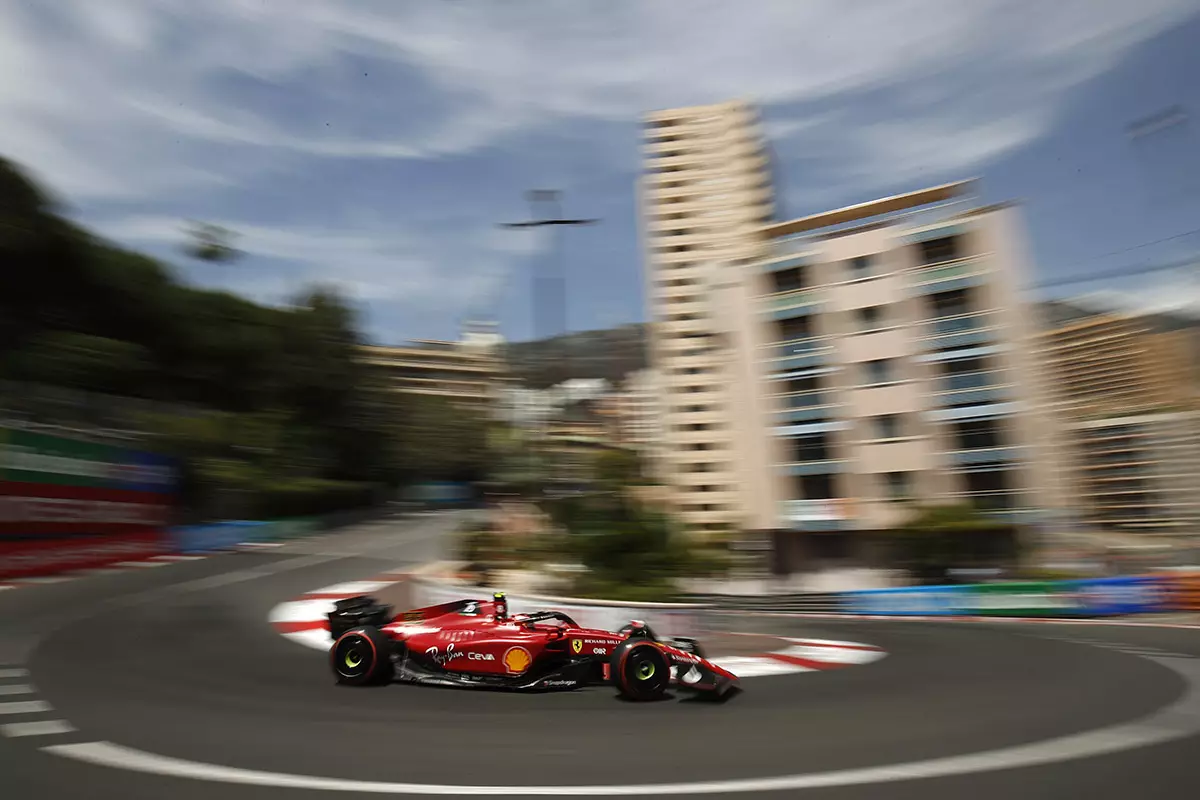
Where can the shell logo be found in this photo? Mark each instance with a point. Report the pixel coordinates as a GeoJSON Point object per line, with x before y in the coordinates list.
{"type": "Point", "coordinates": [517, 660]}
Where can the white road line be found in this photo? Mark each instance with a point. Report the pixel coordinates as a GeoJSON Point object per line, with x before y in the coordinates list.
{"type": "Point", "coordinates": [13, 673]}
{"type": "Point", "coordinates": [16, 688]}
{"type": "Point", "coordinates": [301, 611]}
{"type": "Point", "coordinates": [1177, 721]}
{"type": "Point", "coordinates": [47, 579]}
{"type": "Point", "coordinates": [25, 707]}
{"type": "Point", "coordinates": [174, 558]}
{"type": "Point", "coordinates": [4, 586]}
{"type": "Point", "coordinates": [48, 727]}
{"type": "Point", "coordinates": [316, 639]}
{"type": "Point", "coordinates": [142, 564]}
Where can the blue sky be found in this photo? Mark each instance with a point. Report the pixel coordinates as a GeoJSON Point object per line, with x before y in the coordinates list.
{"type": "Point", "coordinates": [375, 145]}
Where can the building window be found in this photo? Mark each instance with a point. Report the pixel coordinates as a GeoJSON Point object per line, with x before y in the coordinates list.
{"type": "Point", "coordinates": [980, 434]}
{"type": "Point", "coordinates": [870, 318]}
{"type": "Point", "coordinates": [860, 267]}
{"type": "Point", "coordinates": [816, 487]}
{"type": "Point", "coordinates": [887, 426]}
{"type": "Point", "coordinates": [936, 251]}
{"type": "Point", "coordinates": [787, 280]}
{"type": "Point", "coordinates": [897, 485]}
{"type": "Point", "coordinates": [813, 447]}
{"type": "Point", "coordinates": [878, 371]}
{"type": "Point", "coordinates": [794, 328]}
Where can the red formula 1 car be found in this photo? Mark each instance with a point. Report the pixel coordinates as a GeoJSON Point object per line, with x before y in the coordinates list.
{"type": "Point", "coordinates": [477, 644]}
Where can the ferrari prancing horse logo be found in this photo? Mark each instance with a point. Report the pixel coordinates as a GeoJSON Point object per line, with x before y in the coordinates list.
{"type": "Point", "coordinates": [577, 646]}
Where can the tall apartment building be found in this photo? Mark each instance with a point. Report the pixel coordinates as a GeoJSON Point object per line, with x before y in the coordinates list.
{"type": "Point", "coordinates": [704, 197]}
{"type": "Point", "coordinates": [1125, 396]}
{"type": "Point", "coordinates": [819, 373]}
{"type": "Point", "coordinates": [470, 371]}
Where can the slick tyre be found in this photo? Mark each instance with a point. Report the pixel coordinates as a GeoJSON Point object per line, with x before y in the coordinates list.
{"type": "Point", "coordinates": [362, 657]}
{"type": "Point", "coordinates": [640, 670]}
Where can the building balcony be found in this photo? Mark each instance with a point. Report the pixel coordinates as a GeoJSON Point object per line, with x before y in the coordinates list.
{"type": "Point", "coordinates": [973, 397]}
{"type": "Point", "coordinates": [969, 380]}
{"type": "Point", "coordinates": [805, 400]}
{"type": "Point", "coordinates": [795, 303]}
{"type": "Point", "coordinates": [800, 468]}
{"type": "Point", "coordinates": [1008, 457]}
{"type": "Point", "coordinates": [960, 274]}
{"type": "Point", "coordinates": [791, 416]}
{"type": "Point", "coordinates": [817, 515]}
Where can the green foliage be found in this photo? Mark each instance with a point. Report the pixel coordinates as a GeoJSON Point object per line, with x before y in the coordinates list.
{"type": "Point", "coordinates": [938, 538]}
{"type": "Point", "coordinates": [208, 242]}
{"type": "Point", "coordinates": [619, 468]}
{"type": "Point", "coordinates": [282, 405]}
{"type": "Point", "coordinates": [629, 549]}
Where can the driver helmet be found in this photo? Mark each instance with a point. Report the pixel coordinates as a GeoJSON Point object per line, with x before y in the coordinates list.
{"type": "Point", "coordinates": [501, 605]}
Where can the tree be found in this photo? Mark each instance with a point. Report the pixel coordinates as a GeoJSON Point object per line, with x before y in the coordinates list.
{"type": "Point", "coordinates": [939, 537]}
{"type": "Point", "coordinates": [209, 242]}
{"type": "Point", "coordinates": [619, 469]}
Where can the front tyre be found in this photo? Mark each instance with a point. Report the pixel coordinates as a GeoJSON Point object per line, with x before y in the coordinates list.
{"type": "Point", "coordinates": [362, 657]}
{"type": "Point", "coordinates": [640, 670]}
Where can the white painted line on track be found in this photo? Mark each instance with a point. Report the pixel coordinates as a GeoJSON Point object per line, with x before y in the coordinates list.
{"type": "Point", "coordinates": [140, 564]}
{"type": "Point", "coordinates": [1177, 721]}
{"type": "Point", "coordinates": [13, 673]}
{"type": "Point", "coordinates": [50, 727]}
{"type": "Point", "coordinates": [47, 579]}
{"type": "Point", "coordinates": [353, 588]}
{"type": "Point", "coordinates": [16, 688]}
{"type": "Point", "coordinates": [301, 611]}
{"type": "Point", "coordinates": [25, 707]}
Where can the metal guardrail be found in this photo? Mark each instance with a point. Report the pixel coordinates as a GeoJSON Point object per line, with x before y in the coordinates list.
{"type": "Point", "coordinates": [794, 603]}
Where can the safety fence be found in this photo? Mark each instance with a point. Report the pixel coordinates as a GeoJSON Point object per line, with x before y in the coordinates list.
{"type": "Point", "coordinates": [1095, 597]}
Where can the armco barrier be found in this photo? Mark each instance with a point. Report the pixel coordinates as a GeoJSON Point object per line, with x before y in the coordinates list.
{"type": "Point", "coordinates": [1182, 591]}
{"type": "Point", "coordinates": [670, 619]}
{"type": "Point", "coordinates": [920, 601]}
{"type": "Point", "coordinates": [1079, 598]}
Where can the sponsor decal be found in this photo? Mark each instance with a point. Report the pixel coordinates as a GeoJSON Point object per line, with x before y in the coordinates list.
{"type": "Point", "coordinates": [577, 646]}
{"type": "Point", "coordinates": [481, 657]}
{"type": "Point", "coordinates": [470, 609]}
{"type": "Point", "coordinates": [560, 683]}
{"type": "Point", "coordinates": [599, 651]}
{"type": "Point", "coordinates": [442, 659]}
{"type": "Point", "coordinates": [517, 660]}
{"type": "Point", "coordinates": [686, 658]}
{"type": "Point", "coordinates": [413, 616]}
{"type": "Point", "coordinates": [599, 641]}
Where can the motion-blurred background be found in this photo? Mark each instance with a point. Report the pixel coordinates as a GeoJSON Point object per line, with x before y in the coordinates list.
{"type": "Point", "coordinates": [781, 299]}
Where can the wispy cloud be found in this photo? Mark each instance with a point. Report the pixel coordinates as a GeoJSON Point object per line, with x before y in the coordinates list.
{"type": "Point", "coordinates": [144, 110]}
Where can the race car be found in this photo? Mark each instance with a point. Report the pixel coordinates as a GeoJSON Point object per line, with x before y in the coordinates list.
{"type": "Point", "coordinates": [478, 644]}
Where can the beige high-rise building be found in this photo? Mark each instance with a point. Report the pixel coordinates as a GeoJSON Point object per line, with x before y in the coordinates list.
{"type": "Point", "coordinates": [1127, 398]}
{"type": "Point", "coordinates": [704, 197]}
{"type": "Point", "coordinates": [468, 372]}
{"type": "Point", "coordinates": [820, 373]}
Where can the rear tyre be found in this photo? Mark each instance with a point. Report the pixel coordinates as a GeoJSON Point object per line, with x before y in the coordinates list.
{"type": "Point", "coordinates": [362, 657]}
{"type": "Point", "coordinates": [640, 670]}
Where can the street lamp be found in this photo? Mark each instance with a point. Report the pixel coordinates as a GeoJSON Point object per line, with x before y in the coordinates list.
{"type": "Point", "coordinates": [549, 283]}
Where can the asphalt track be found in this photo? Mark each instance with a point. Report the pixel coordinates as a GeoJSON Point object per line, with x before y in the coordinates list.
{"type": "Point", "coordinates": [181, 662]}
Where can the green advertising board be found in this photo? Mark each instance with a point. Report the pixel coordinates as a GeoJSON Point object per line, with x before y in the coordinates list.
{"type": "Point", "coordinates": [39, 458]}
{"type": "Point", "coordinates": [1029, 599]}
